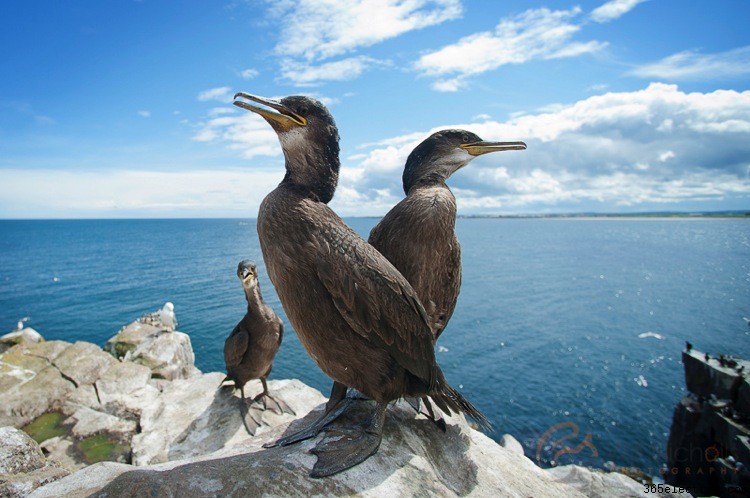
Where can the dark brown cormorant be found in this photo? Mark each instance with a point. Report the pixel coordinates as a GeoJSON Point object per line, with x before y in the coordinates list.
{"type": "Point", "coordinates": [251, 347]}
{"type": "Point", "coordinates": [356, 315]}
{"type": "Point", "coordinates": [418, 235]}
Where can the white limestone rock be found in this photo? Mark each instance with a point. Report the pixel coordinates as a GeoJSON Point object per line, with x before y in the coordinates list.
{"type": "Point", "coordinates": [414, 459]}
{"type": "Point", "coordinates": [25, 335]}
{"type": "Point", "coordinates": [194, 417]}
{"type": "Point", "coordinates": [83, 363]}
{"type": "Point", "coordinates": [511, 443]}
{"type": "Point", "coordinates": [598, 484]}
{"type": "Point", "coordinates": [23, 467]}
{"type": "Point", "coordinates": [169, 355]}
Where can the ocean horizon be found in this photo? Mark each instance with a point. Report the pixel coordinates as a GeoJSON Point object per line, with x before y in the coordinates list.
{"type": "Point", "coordinates": [561, 322]}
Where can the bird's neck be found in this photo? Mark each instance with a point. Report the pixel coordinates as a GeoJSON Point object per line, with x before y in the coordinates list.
{"type": "Point", "coordinates": [432, 179]}
{"type": "Point", "coordinates": [313, 170]}
{"type": "Point", "coordinates": [254, 298]}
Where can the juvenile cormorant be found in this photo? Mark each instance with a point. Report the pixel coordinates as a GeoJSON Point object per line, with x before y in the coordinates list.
{"type": "Point", "coordinates": [418, 235]}
{"type": "Point", "coordinates": [356, 315]}
{"type": "Point", "coordinates": [251, 347]}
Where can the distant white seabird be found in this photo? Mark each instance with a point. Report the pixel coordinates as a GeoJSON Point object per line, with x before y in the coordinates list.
{"type": "Point", "coordinates": [167, 316]}
{"type": "Point", "coordinates": [164, 318]}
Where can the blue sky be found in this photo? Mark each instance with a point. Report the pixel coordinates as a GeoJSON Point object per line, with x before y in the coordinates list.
{"type": "Point", "coordinates": [123, 108]}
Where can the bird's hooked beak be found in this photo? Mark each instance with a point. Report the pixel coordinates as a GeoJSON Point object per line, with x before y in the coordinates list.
{"type": "Point", "coordinates": [278, 114]}
{"type": "Point", "coordinates": [479, 148]}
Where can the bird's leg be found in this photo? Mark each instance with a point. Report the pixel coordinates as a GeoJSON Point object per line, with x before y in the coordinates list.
{"type": "Point", "coordinates": [424, 407]}
{"type": "Point", "coordinates": [337, 403]}
{"type": "Point", "coordinates": [250, 419]}
{"type": "Point", "coordinates": [277, 405]}
{"type": "Point", "coordinates": [346, 447]}
{"type": "Point", "coordinates": [227, 379]}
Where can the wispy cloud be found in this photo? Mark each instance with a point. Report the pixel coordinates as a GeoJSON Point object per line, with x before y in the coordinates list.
{"type": "Point", "coordinates": [319, 29]}
{"type": "Point", "coordinates": [222, 94]}
{"type": "Point", "coordinates": [314, 32]}
{"type": "Point", "coordinates": [250, 73]}
{"type": "Point", "coordinates": [613, 10]}
{"type": "Point", "coordinates": [144, 114]}
{"type": "Point", "coordinates": [303, 74]}
{"type": "Point", "coordinates": [534, 34]}
{"type": "Point", "coordinates": [692, 65]}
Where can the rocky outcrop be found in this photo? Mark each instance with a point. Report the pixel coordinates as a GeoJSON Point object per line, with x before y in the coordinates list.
{"type": "Point", "coordinates": [84, 406]}
{"type": "Point", "coordinates": [19, 336]}
{"type": "Point", "coordinates": [186, 437]}
{"type": "Point", "coordinates": [414, 459]}
{"type": "Point", "coordinates": [169, 354]}
{"type": "Point", "coordinates": [193, 417]}
{"type": "Point", "coordinates": [709, 442]}
{"type": "Point", "coordinates": [23, 466]}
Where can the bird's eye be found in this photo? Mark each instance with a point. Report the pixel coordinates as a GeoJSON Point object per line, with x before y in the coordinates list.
{"type": "Point", "coordinates": [464, 138]}
{"type": "Point", "coordinates": [303, 110]}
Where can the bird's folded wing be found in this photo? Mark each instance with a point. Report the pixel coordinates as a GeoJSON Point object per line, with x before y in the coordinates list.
{"type": "Point", "coordinates": [375, 299]}
{"type": "Point", "coordinates": [235, 347]}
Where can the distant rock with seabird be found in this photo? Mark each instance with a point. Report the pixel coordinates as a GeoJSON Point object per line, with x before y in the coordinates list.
{"type": "Point", "coordinates": [708, 449]}
{"type": "Point", "coordinates": [152, 341]}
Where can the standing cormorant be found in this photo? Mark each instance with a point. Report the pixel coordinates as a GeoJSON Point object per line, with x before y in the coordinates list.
{"type": "Point", "coordinates": [356, 315]}
{"type": "Point", "coordinates": [251, 347]}
{"type": "Point", "coordinates": [418, 235]}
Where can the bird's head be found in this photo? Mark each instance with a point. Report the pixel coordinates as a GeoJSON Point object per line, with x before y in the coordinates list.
{"type": "Point", "coordinates": [247, 271]}
{"type": "Point", "coordinates": [445, 152]}
{"type": "Point", "coordinates": [168, 307]}
{"type": "Point", "coordinates": [308, 137]}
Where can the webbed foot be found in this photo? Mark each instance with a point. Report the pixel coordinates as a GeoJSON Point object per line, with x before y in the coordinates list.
{"type": "Point", "coordinates": [252, 417]}
{"type": "Point", "coordinates": [343, 448]}
{"type": "Point", "coordinates": [337, 404]}
{"type": "Point", "coordinates": [277, 405]}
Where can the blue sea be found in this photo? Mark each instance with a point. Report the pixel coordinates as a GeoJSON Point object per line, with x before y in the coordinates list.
{"type": "Point", "coordinates": [566, 330]}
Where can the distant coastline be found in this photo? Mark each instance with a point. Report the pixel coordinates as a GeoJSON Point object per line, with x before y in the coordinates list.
{"type": "Point", "coordinates": [644, 215]}
{"type": "Point", "coordinates": [654, 215]}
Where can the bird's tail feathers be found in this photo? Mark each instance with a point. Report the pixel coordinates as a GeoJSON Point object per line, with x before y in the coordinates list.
{"type": "Point", "coordinates": [449, 400]}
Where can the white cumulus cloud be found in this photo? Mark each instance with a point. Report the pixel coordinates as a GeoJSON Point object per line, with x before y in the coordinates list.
{"type": "Point", "coordinates": [612, 149]}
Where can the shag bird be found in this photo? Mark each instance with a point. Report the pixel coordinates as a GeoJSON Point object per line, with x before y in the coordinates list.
{"type": "Point", "coordinates": [356, 315]}
{"type": "Point", "coordinates": [418, 235]}
{"type": "Point", "coordinates": [251, 347]}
